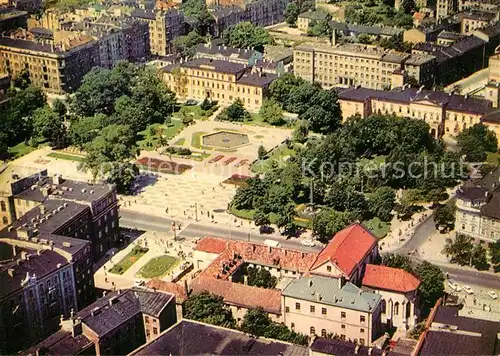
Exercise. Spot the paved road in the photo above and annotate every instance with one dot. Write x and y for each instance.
(192, 230)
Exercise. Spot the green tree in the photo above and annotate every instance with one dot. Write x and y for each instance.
(261, 218)
(280, 88)
(186, 45)
(129, 112)
(381, 203)
(476, 141)
(300, 97)
(495, 255)
(262, 152)
(4, 149)
(445, 215)
(255, 322)
(319, 28)
(209, 308)
(247, 35)
(49, 126)
(84, 130)
(197, 12)
(260, 277)
(432, 283)
(327, 223)
(408, 6)
(22, 80)
(459, 250)
(59, 108)
(397, 261)
(235, 112)
(292, 12)
(364, 38)
(272, 112)
(478, 258)
(109, 155)
(301, 131)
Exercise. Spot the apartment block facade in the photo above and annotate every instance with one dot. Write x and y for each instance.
(219, 80)
(364, 65)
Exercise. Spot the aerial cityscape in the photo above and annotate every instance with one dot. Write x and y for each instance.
(250, 177)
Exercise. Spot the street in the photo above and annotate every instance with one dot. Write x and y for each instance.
(191, 230)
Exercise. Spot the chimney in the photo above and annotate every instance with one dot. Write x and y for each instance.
(11, 272)
(310, 283)
(14, 250)
(186, 289)
(42, 207)
(356, 350)
(104, 294)
(370, 349)
(58, 179)
(269, 248)
(24, 255)
(319, 297)
(341, 282)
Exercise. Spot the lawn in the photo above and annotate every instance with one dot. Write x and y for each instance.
(66, 156)
(378, 227)
(127, 261)
(152, 137)
(180, 142)
(159, 266)
(20, 150)
(493, 158)
(277, 155)
(195, 111)
(196, 140)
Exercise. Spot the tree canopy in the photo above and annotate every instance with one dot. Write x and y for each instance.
(476, 141)
(432, 283)
(209, 308)
(234, 112)
(247, 35)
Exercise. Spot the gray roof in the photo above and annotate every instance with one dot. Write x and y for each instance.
(25, 44)
(477, 15)
(257, 79)
(116, 308)
(214, 64)
(62, 343)
(224, 51)
(225, 11)
(340, 347)
(143, 14)
(491, 31)
(325, 290)
(450, 35)
(374, 30)
(454, 102)
(194, 338)
(315, 15)
(40, 265)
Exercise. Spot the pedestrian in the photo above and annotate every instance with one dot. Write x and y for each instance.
(106, 279)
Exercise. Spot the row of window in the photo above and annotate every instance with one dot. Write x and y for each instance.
(324, 311)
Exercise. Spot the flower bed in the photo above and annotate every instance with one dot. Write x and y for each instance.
(216, 159)
(241, 163)
(229, 160)
(158, 165)
(237, 180)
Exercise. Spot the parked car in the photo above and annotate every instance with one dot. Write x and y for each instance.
(468, 290)
(492, 295)
(272, 243)
(139, 282)
(454, 285)
(309, 243)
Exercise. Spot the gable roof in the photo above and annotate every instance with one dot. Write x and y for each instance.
(347, 248)
(211, 245)
(388, 278)
(173, 288)
(240, 294)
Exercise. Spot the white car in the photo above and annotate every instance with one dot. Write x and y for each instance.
(454, 285)
(492, 295)
(468, 290)
(309, 243)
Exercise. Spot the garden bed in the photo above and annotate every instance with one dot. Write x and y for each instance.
(229, 160)
(160, 166)
(159, 266)
(237, 180)
(127, 261)
(216, 159)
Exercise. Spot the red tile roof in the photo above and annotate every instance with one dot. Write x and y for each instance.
(211, 245)
(347, 248)
(237, 252)
(173, 288)
(240, 294)
(388, 278)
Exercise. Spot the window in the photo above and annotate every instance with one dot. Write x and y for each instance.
(287, 309)
(155, 331)
(5, 221)
(297, 306)
(342, 326)
(361, 330)
(328, 268)
(147, 320)
(312, 330)
(362, 318)
(396, 309)
(292, 325)
(342, 314)
(323, 332)
(312, 308)
(3, 207)
(323, 311)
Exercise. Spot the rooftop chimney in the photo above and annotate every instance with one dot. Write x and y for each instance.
(11, 272)
(356, 350)
(310, 283)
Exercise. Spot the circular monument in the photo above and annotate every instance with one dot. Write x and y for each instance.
(225, 139)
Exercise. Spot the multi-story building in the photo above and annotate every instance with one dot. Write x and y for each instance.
(219, 80)
(120, 38)
(474, 20)
(447, 38)
(115, 324)
(445, 113)
(164, 27)
(482, 5)
(11, 18)
(225, 17)
(354, 64)
(38, 285)
(319, 305)
(445, 8)
(27, 5)
(305, 19)
(429, 33)
(231, 54)
(56, 67)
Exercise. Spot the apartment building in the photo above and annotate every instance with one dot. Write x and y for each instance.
(444, 9)
(38, 285)
(56, 67)
(305, 19)
(429, 33)
(11, 18)
(219, 80)
(225, 17)
(474, 20)
(319, 305)
(231, 54)
(481, 5)
(445, 113)
(115, 324)
(491, 35)
(164, 27)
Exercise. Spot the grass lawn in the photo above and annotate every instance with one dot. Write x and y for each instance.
(195, 111)
(196, 140)
(180, 142)
(159, 266)
(375, 161)
(149, 139)
(378, 227)
(66, 156)
(493, 158)
(127, 261)
(277, 155)
(20, 150)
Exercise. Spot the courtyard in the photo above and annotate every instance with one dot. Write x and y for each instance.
(225, 139)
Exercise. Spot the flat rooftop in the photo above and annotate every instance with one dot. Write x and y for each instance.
(11, 173)
(194, 338)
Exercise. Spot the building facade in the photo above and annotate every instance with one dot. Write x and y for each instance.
(364, 65)
(219, 80)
